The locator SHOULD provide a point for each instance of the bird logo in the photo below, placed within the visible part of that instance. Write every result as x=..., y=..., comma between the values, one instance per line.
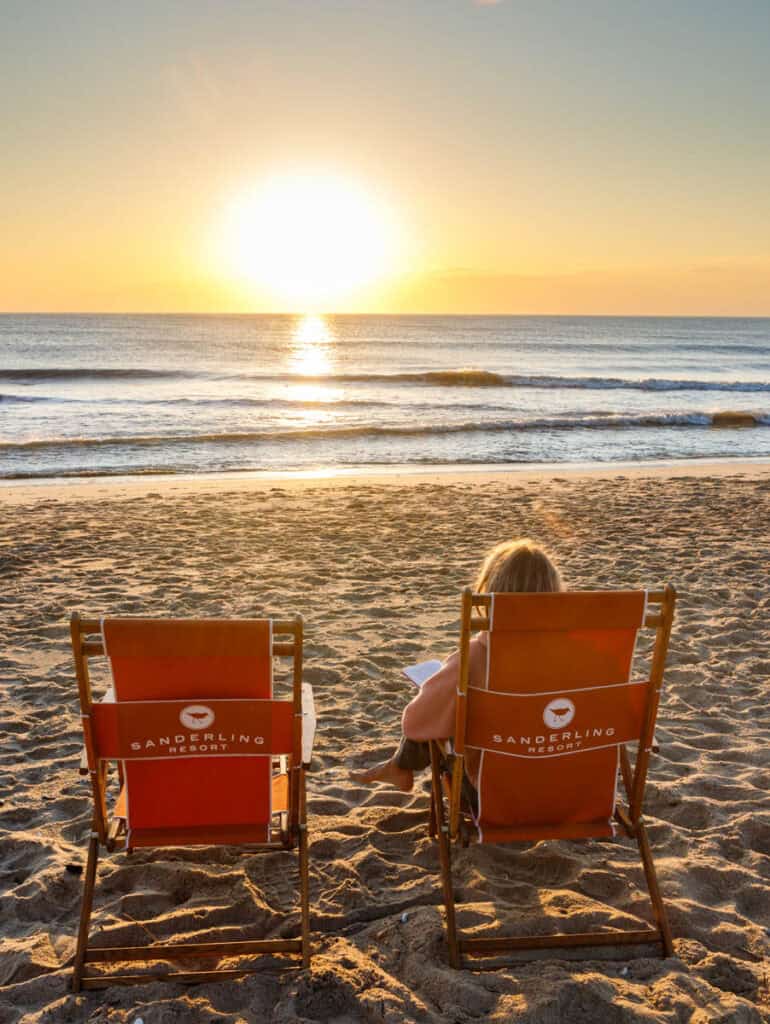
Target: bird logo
x=559, y=713
x=196, y=716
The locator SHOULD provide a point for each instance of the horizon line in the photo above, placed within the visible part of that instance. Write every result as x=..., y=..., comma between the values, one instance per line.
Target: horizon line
x=288, y=313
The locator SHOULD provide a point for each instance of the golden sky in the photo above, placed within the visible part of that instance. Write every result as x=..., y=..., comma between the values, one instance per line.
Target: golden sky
x=387, y=156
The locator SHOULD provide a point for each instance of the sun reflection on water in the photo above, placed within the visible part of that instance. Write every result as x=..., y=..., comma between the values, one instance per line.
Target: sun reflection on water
x=312, y=330
x=312, y=355
x=312, y=344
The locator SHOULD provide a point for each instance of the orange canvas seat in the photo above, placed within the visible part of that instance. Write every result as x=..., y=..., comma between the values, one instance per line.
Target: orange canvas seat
x=550, y=727
x=206, y=755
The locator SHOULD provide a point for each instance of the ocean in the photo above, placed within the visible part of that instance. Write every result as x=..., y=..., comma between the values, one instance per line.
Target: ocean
x=98, y=395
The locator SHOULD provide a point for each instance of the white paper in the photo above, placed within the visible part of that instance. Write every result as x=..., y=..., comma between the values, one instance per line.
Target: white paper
x=419, y=673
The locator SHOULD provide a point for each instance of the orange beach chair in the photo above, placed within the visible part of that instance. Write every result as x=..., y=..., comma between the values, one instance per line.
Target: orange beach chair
x=205, y=756
x=552, y=725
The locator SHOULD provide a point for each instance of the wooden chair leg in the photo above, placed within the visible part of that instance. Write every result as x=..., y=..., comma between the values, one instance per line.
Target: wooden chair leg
x=432, y=822
x=650, y=874
x=85, y=912
x=442, y=831
x=304, y=883
x=304, y=875
x=449, y=899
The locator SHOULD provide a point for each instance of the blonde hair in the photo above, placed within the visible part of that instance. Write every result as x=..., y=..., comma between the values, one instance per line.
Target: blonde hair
x=517, y=567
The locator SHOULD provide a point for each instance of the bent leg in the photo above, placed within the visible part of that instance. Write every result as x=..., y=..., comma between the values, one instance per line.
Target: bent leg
x=399, y=769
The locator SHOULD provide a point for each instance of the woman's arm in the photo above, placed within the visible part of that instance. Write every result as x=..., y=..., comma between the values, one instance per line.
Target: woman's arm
x=431, y=715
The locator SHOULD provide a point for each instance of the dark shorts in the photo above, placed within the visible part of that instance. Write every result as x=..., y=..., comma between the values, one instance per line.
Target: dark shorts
x=415, y=755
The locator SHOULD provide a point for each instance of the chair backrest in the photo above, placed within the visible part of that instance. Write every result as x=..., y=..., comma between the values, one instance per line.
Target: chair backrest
x=559, y=702
x=192, y=718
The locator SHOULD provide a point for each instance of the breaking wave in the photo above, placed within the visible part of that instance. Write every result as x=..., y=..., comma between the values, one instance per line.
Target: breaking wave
x=609, y=422
x=21, y=399
x=462, y=378
x=488, y=379
x=35, y=373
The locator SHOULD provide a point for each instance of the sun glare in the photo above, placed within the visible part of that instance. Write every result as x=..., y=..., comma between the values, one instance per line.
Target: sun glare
x=311, y=343
x=312, y=330
x=309, y=241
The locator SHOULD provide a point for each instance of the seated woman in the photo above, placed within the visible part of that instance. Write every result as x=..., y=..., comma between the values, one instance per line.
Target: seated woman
x=514, y=567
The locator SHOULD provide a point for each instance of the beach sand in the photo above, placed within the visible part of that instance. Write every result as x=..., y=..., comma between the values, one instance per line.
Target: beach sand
x=376, y=567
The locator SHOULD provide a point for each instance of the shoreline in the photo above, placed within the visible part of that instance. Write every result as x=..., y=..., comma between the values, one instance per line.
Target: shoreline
x=17, y=492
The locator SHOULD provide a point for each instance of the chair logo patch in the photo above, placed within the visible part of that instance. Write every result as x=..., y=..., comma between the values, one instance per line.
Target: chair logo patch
x=559, y=713
x=196, y=716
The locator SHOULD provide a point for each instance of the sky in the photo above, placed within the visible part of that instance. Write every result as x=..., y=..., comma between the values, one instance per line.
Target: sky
x=593, y=156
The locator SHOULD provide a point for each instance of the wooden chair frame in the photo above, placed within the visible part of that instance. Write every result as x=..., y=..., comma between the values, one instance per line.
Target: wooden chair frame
x=455, y=823
x=288, y=833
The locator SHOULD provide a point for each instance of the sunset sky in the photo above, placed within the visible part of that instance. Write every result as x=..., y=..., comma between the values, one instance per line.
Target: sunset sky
x=385, y=156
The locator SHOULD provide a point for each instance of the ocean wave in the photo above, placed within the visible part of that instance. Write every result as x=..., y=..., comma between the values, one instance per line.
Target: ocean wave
x=34, y=373
x=470, y=378
x=483, y=378
x=78, y=472
x=385, y=461
x=612, y=422
x=646, y=384
x=267, y=403
x=204, y=403
x=461, y=378
x=13, y=399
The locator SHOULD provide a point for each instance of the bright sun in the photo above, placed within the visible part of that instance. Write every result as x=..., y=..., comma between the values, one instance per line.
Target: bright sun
x=309, y=241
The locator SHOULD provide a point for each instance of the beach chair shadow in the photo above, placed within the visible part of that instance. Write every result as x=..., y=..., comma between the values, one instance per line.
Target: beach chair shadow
x=552, y=728
x=205, y=756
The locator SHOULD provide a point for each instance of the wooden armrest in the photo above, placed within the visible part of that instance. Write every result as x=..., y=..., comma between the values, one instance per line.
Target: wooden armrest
x=108, y=698
x=308, y=723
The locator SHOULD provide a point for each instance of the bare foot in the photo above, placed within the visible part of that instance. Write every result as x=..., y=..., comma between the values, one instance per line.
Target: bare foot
x=388, y=771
